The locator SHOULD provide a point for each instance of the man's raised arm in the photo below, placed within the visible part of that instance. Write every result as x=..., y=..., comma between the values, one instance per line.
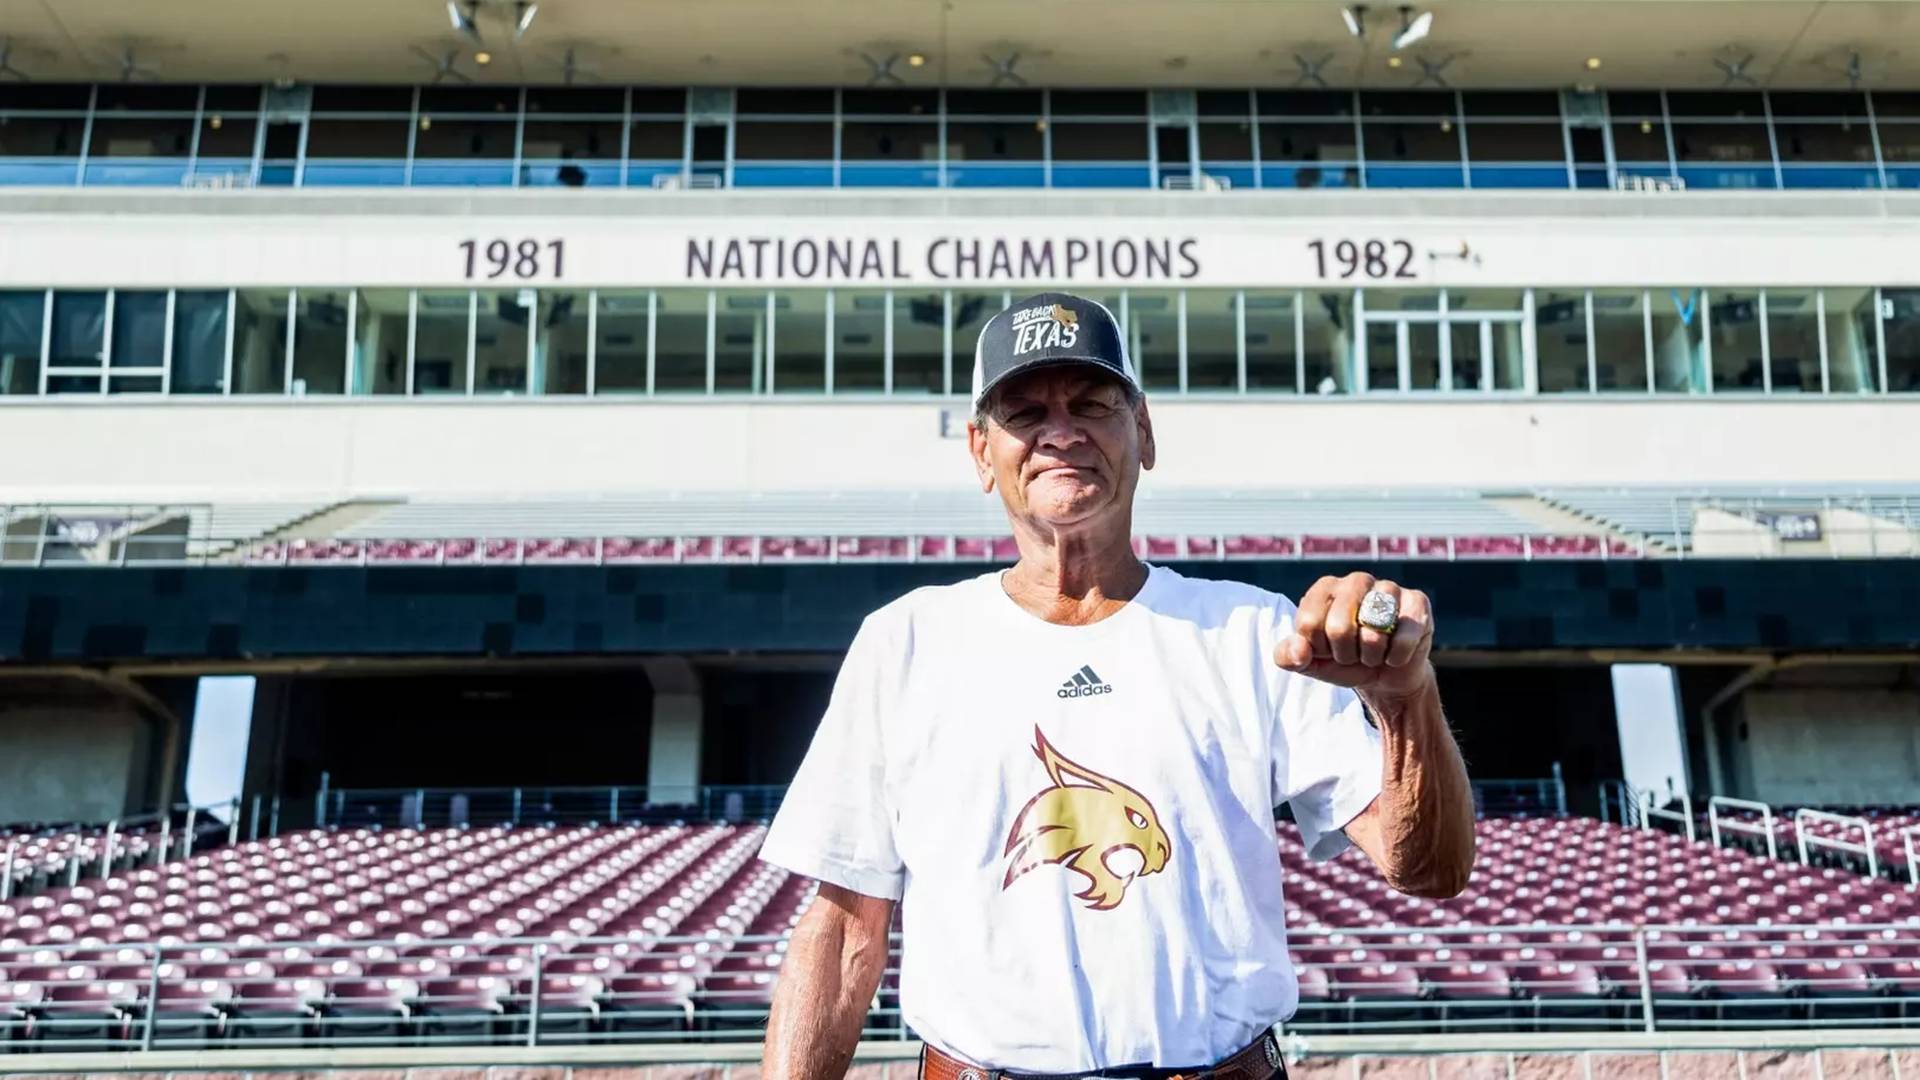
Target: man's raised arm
x=832, y=967
x=1419, y=830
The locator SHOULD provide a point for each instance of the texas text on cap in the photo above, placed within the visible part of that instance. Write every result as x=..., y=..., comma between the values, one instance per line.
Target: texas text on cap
x=1045, y=330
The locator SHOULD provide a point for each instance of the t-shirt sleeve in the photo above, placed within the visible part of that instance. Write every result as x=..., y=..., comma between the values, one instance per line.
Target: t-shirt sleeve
x=836, y=823
x=1326, y=757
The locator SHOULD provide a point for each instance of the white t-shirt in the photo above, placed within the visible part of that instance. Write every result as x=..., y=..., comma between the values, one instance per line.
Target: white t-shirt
x=1078, y=820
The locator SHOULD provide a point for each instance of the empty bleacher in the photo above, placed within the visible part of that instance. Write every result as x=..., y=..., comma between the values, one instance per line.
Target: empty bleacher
x=677, y=931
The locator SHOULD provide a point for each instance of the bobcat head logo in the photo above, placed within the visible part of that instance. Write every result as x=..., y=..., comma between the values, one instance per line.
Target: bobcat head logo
x=1065, y=316
x=1081, y=822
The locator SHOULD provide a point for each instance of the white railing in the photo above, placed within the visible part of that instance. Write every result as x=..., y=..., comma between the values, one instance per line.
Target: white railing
x=1717, y=824
x=533, y=990
x=1684, y=815
x=1907, y=836
x=1802, y=816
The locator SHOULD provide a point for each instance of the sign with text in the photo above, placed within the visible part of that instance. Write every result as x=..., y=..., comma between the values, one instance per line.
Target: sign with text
x=62, y=250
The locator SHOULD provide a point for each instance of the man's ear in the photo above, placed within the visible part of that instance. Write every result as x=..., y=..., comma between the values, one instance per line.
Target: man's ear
x=977, y=446
x=1148, y=450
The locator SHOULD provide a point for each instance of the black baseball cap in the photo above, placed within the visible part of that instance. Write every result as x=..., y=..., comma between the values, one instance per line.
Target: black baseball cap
x=1049, y=329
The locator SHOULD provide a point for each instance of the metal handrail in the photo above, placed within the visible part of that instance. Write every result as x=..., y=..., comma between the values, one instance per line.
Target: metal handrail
x=1765, y=829
x=169, y=961
x=1684, y=815
x=1804, y=814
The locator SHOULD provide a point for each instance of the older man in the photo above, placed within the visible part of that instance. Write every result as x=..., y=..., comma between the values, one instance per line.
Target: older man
x=1066, y=772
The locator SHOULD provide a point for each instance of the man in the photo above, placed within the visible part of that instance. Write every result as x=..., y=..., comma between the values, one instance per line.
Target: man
x=1066, y=772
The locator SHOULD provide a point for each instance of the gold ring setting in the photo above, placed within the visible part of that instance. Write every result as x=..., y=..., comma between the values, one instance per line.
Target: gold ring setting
x=1379, y=611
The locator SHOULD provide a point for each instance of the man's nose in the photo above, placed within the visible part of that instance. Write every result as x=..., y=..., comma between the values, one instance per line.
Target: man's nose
x=1060, y=430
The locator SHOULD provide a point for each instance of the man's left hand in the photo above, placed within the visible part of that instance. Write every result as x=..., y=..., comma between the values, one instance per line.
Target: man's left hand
x=1329, y=643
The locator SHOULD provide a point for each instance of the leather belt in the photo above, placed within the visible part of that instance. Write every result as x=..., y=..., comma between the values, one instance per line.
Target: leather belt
x=1260, y=1061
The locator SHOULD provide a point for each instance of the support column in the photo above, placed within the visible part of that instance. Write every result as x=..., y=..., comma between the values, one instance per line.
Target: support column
x=673, y=754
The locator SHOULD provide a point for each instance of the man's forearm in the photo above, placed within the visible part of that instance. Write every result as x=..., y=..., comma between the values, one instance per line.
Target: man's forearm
x=827, y=980
x=1425, y=810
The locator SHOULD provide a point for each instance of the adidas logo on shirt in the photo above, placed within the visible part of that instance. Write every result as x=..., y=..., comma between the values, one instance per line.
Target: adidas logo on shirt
x=1083, y=684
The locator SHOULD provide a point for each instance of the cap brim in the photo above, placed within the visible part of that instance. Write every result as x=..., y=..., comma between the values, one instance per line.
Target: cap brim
x=1052, y=362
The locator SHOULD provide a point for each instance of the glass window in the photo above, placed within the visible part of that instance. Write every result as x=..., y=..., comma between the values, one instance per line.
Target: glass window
x=501, y=330
x=1620, y=340
x=461, y=139
x=659, y=100
x=772, y=140
x=44, y=95
x=859, y=341
x=1409, y=103
x=575, y=100
x=800, y=341
x=620, y=351
x=498, y=100
x=1327, y=322
x=1099, y=142
x=1272, y=349
x=1560, y=341
x=1793, y=341
x=1153, y=338
x=781, y=101
x=1213, y=340
x=79, y=330
x=1235, y=103
x=658, y=140
x=993, y=103
x=199, y=341
x=1721, y=143
x=1226, y=141
x=1515, y=142
x=1728, y=104
x=741, y=349
x=988, y=140
x=920, y=344
x=1903, y=339
x=1390, y=142
x=389, y=99
x=380, y=341
x=1098, y=103
x=227, y=137
x=560, y=344
x=440, y=341
x=1848, y=141
x=139, y=328
x=320, y=341
x=680, y=341
x=890, y=141
x=1853, y=342
x=971, y=310
x=1304, y=103
x=356, y=139
x=260, y=341
x=141, y=137
x=41, y=136
x=1500, y=104
x=1642, y=140
x=146, y=96
x=1737, y=363
x=1679, y=340
x=894, y=102
x=563, y=140
x=22, y=330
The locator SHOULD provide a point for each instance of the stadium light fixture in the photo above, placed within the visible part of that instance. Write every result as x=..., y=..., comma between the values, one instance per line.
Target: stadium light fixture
x=1413, y=27
x=1593, y=63
x=483, y=58
x=463, y=15
x=523, y=13
x=916, y=60
x=1355, y=16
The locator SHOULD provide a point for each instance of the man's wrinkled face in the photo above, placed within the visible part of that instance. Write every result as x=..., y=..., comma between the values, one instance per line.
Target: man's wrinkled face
x=1062, y=445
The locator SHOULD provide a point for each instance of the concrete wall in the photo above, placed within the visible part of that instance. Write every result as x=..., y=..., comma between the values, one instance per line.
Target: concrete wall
x=346, y=448
x=71, y=759
x=1829, y=745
